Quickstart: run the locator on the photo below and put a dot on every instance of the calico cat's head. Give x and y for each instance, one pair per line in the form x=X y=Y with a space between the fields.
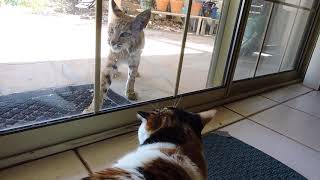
x=125 y=31
x=172 y=119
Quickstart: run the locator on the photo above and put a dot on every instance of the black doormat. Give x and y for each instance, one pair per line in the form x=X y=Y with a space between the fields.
x=40 y=106
x=230 y=158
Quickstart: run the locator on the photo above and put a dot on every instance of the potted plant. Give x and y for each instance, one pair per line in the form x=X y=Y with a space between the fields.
x=162 y=5
x=195 y=8
x=176 y=6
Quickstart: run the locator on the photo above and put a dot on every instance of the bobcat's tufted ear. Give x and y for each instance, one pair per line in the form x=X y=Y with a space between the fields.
x=207 y=116
x=141 y=21
x=114 y=9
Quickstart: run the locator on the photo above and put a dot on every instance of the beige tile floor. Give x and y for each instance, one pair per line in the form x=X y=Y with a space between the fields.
x=284 y=124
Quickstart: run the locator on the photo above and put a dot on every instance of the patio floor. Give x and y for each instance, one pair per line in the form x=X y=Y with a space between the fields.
x=45 y=51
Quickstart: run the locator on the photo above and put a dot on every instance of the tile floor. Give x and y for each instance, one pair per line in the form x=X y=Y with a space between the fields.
x=283 y=123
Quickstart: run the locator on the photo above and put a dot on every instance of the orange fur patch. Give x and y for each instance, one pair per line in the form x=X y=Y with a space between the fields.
x=161 y=169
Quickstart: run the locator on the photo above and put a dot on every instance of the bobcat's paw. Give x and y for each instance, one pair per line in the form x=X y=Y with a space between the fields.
x=89 y=109
x=131 y=95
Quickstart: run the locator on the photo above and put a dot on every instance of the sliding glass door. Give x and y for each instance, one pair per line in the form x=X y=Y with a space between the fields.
x=276 y=34
x=55 y=57
x=55 y=62
x=275 y=31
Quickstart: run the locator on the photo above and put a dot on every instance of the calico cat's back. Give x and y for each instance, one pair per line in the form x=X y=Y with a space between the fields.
x=170 y=148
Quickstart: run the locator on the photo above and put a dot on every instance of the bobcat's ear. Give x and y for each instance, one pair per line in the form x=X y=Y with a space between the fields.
x=141 y=21
x=116 y=11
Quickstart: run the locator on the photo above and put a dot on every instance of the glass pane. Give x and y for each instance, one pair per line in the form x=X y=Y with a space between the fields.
x=142 y=61
x=206 y=57
x=199 y=46
x=276 y=40
x=46 y=61
x=253 y=38
x=307 y=3
x=291 y=2
x=301 y=3
x=290 y=59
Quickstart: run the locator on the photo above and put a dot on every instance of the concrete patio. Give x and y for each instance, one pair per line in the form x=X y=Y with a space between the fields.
x=45 y=51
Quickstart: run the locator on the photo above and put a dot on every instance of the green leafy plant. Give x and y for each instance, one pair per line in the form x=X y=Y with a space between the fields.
x=11 y=2
x=35 y=5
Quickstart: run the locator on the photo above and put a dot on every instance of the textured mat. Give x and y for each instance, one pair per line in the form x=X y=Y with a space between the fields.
x=39 y=106
x=230 y=158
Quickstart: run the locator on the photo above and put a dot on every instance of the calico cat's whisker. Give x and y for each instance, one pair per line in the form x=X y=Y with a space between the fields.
x=174 y=102
x=178 y=102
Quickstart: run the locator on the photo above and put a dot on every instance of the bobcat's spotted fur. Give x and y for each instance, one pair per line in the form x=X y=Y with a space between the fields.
x=126 y=41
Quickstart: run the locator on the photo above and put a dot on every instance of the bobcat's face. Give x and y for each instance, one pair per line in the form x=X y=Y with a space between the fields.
x=124 y=30
x=119 y=36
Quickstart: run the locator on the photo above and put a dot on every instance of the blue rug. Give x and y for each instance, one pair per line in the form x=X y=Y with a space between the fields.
x=230 y=158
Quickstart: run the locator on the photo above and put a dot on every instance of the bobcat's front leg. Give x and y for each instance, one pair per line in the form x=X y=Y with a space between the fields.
x=105 y=83
x=132 y=74
x=115 y=71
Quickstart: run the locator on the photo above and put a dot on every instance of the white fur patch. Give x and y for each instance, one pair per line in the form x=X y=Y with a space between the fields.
x=142 y=132
x=143 y=154
x=147 y=153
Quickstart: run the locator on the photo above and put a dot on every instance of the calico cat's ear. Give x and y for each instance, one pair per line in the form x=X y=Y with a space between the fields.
x=143 y=116
x=207 y=116
x=141 y=21
x=116 y=11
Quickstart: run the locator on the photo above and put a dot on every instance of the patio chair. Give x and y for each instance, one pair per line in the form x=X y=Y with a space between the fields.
x=86 y=4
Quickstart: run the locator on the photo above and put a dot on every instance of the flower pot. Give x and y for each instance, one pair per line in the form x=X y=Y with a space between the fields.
x=176 y=6
x=146 y=4
x=162 y=5
x=196 y=8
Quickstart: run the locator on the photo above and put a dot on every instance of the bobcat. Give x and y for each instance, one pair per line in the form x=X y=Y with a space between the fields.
x=126 y=41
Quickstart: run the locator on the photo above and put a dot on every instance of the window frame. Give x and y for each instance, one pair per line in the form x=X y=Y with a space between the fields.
x=284 y=77
x=20 y=145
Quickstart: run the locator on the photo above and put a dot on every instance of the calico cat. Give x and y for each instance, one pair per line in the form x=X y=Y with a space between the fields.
x=126 y=41
x=170 y=148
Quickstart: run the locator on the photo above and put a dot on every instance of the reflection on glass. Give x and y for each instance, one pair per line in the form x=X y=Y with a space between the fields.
x=46 y=61
x=276 y=40
x=291 y=2
x=253 y=38
x=290 y=58
x=282 y=41
x=301 y=3
x=307 y=3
